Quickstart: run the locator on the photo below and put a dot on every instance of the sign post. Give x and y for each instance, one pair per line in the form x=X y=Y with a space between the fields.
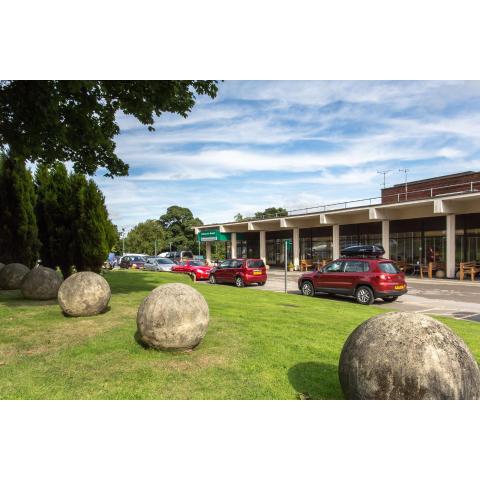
x=287 y=244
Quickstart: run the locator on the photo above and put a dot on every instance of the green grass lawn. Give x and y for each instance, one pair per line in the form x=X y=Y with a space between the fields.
x=259 y=345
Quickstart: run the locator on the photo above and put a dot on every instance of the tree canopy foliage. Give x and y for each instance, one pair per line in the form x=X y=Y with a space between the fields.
x=177 y=223
x=272 y=212
x=76 y=120
x=142 y=238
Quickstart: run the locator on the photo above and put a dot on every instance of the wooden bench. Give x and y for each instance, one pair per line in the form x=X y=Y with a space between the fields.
x=471 y=268
x=434 y=267
x=305 y=265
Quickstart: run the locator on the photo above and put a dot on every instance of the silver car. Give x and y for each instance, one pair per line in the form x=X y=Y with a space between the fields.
x=157 y=264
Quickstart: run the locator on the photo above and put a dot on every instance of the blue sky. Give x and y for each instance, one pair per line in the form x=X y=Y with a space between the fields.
x=293 y=144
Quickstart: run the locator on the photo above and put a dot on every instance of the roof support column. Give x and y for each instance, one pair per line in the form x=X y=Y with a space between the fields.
x=450 y=263
x=208 y=252
x=336 y=241
x=263 y=246
x=296 y=248
x=386 y=237
x=233 y=244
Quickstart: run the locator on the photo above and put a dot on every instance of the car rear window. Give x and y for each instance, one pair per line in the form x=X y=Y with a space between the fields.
x=255 y=264
x=388 y=267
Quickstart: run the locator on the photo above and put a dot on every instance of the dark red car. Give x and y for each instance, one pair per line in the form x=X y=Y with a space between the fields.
x=197 y=267
x=240 y=272
x=365 y=279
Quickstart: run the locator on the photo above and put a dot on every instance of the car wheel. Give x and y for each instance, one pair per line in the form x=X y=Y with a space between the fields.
x=261 y=283
x=212 y=279
x=364 y=295
x=389 y=299
x=307 y=289
x=239 y=282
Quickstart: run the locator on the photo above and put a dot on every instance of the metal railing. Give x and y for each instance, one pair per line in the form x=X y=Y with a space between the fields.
x=400 y=197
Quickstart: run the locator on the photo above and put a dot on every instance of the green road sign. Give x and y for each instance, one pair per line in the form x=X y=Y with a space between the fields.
x=216 y=235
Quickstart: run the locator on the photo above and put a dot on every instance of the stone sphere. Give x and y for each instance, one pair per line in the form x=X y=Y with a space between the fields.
x=11 y=275
x=1 y=265
x=173 y=317
x=84 y=294
x=41 y=283
x=407 y=356
x=440 y=274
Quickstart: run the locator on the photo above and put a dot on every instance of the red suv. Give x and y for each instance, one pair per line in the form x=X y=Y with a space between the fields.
x=240 y=272
x=363 y=278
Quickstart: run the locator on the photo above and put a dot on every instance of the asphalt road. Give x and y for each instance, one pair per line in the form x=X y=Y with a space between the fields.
x=439 y=297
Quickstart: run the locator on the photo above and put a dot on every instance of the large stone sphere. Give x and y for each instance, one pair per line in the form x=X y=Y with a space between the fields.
x=11 y=275
x=41 y=283
x=84 y=294
x=173 y=317
x=405 y=356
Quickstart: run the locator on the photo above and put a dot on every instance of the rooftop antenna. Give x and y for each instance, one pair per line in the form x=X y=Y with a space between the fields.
x=405 y=171
x=384 y=173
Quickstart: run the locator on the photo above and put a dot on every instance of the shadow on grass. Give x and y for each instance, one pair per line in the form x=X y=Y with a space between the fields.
x=11 y=298
x=315 y=381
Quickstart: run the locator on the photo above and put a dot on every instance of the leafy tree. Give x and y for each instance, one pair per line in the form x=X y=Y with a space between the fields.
x=93 y=231
x=18 y=227
x=54 y=216
x=238 y=217
x=272 y=212
x=141 y=239
x=178 y=223
x=76 y=120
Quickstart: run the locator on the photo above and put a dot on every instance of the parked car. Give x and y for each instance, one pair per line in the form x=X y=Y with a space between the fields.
x=156 y=264
x=197 y=267
x=365 y=279
x=133 y=261
x=240 y=272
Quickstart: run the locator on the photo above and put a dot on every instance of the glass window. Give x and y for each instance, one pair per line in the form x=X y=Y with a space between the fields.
x=356 y=266
x=237 y=264
x=164 y=261
x=388 y=267
x=334 y=267
x=255 y=264
x=226 y=264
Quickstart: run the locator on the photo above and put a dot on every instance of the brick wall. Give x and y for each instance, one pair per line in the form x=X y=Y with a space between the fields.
x=432 y=187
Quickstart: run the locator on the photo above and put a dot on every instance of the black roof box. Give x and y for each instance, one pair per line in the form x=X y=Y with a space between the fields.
x=363 y=251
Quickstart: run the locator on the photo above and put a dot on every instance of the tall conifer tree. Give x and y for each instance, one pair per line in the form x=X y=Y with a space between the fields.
x=54 y=216
x=18 y=227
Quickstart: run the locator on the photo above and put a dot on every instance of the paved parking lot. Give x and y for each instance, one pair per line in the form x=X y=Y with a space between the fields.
x=439 y=297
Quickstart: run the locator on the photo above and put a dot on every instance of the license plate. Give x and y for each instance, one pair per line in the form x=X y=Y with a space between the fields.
x=399 y=287
x=257 y=272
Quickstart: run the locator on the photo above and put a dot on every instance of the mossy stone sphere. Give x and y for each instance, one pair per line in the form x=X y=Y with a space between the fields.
x=11 y=276
x=41 y=283
x=406 y=356
x=173 y=317
x=84 y=294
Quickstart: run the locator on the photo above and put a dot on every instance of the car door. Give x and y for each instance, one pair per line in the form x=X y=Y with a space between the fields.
x=220 y=272
x=353 y=273
x=330 y=278
x=234 y=270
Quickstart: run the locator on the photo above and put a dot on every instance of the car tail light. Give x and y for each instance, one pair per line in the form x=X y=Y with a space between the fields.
x=384 y=277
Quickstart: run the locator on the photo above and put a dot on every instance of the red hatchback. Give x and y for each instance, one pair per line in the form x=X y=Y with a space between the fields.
x=365 y=279
x=197 y=267
x=240 y=272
